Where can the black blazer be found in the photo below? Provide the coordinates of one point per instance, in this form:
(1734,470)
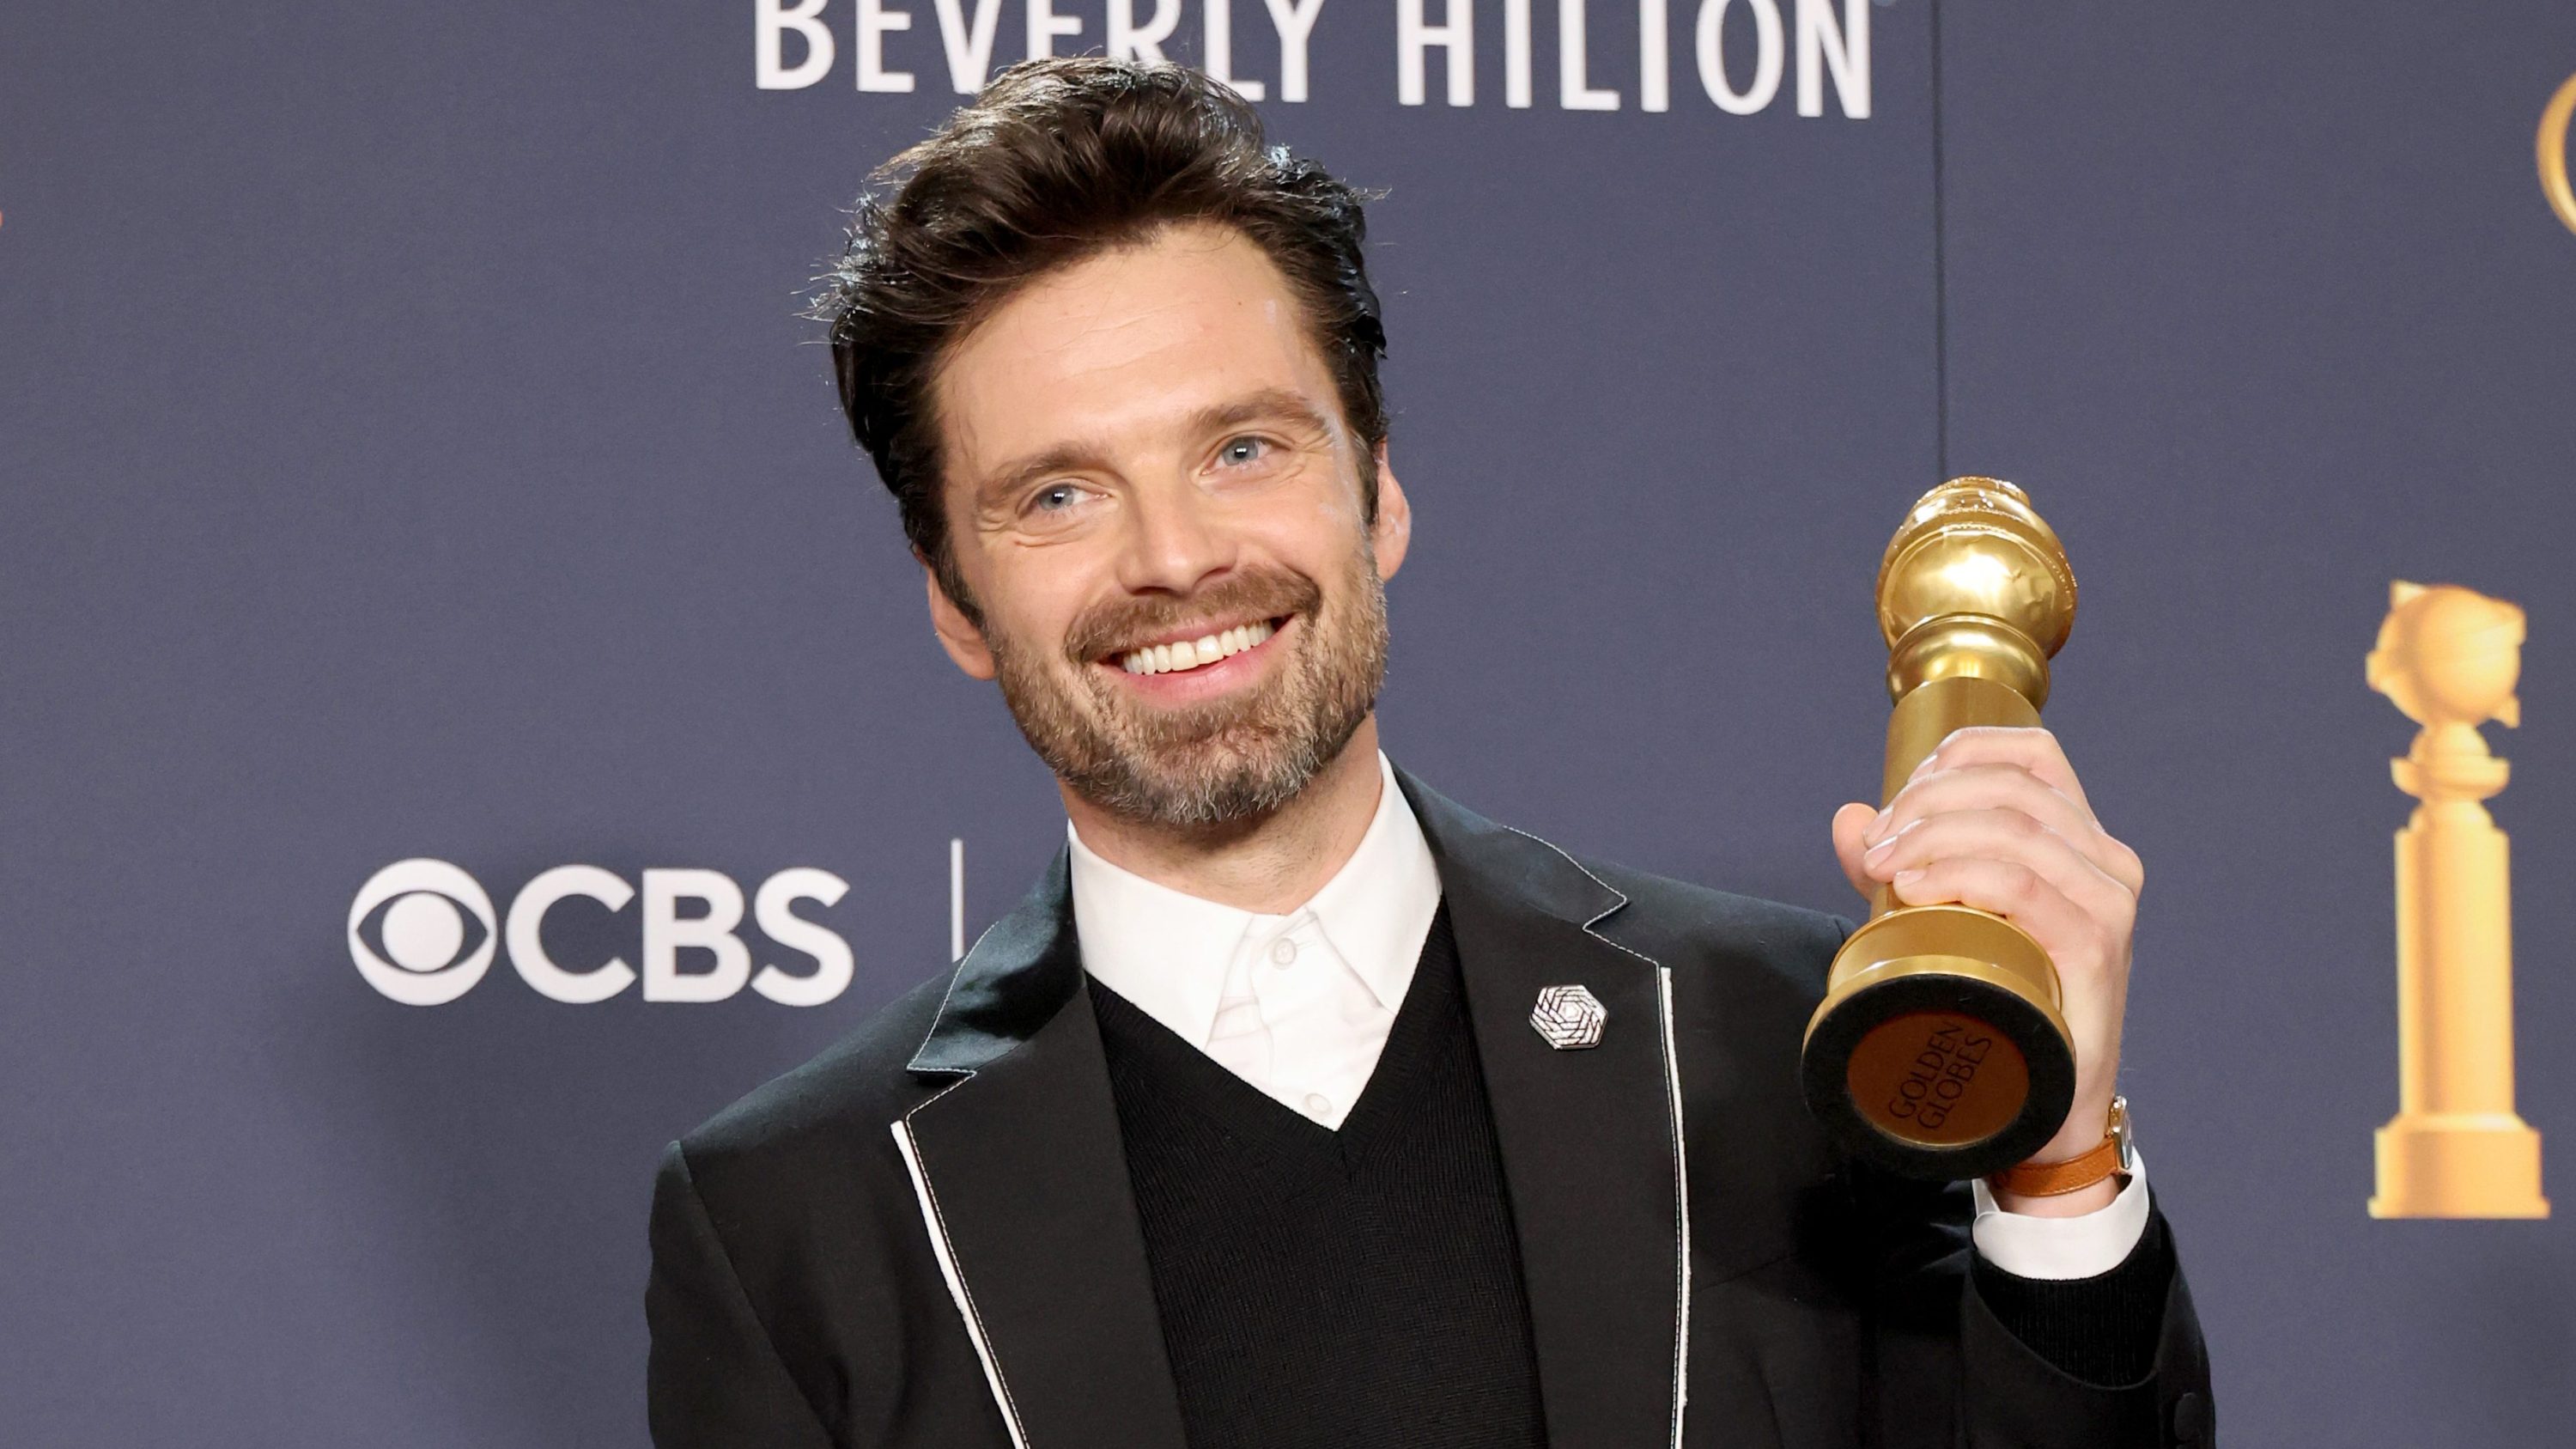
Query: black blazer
(925,1236)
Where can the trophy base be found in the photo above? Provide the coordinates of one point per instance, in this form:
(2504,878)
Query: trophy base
(1940,1064)
(2459,1165)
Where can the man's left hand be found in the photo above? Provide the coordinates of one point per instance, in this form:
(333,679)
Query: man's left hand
(1995,819)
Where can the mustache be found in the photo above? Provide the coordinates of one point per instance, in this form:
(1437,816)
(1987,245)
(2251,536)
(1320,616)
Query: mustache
(1118,625)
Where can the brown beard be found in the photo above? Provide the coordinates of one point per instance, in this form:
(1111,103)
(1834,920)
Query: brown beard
(1224,761)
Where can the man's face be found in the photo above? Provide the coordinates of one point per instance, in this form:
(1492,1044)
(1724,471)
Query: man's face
(1145,456)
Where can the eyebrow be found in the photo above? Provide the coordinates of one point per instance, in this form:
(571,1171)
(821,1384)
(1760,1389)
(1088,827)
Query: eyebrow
(1269,402)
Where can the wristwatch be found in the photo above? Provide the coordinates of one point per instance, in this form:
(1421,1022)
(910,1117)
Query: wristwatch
(2117,1153)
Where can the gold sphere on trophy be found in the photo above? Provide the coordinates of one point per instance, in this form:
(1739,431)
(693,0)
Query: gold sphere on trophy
(1940,1050)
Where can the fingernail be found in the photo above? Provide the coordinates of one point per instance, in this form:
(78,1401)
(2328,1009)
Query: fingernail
(1876,853)
(1906,877)
(1877,827)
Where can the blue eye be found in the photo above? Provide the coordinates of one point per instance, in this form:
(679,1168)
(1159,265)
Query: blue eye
(1056,498)
(1243,450)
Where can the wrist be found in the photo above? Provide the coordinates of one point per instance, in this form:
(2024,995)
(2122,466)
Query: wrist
(2087,1123)
(2058,1183)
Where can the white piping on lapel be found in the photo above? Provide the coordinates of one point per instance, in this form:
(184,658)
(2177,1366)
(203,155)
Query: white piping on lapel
(1681,1198)
(956,969)
(932,1219)
(1673,1097)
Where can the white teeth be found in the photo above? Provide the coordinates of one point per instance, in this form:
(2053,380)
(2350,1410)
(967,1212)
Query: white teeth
(1191,653)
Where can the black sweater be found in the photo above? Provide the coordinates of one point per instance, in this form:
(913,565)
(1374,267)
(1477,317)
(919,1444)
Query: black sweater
(1328,1288)
(1320,1289)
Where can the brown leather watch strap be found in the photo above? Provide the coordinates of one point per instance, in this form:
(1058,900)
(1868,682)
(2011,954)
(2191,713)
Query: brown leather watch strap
(2056,1179)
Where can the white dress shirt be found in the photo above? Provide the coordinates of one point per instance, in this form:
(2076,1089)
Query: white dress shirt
(1299,1005)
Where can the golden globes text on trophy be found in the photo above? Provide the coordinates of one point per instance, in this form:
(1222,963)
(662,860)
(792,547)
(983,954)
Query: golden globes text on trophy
(2456,1149)
(1939,1050)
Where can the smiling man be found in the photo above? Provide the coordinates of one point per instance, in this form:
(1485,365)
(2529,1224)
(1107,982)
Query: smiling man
(1241,1130)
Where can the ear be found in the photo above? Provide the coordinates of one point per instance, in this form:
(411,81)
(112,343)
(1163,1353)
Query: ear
(958,634)
(1392,534)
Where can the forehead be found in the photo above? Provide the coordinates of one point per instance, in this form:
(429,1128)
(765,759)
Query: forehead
(1123,346)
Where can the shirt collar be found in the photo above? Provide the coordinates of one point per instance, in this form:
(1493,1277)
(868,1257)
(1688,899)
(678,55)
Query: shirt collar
(1168,952)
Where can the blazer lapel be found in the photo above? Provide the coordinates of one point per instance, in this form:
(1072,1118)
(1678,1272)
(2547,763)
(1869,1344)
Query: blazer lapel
(1023,1189)
(1591,1138)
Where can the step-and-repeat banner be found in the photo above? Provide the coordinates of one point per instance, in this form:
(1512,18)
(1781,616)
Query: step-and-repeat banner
(469,713)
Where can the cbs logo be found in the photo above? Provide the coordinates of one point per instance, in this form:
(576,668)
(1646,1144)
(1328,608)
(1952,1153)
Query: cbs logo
(423,932)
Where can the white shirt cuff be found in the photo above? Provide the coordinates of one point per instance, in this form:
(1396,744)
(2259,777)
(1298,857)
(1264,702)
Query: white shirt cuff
(2086,1246)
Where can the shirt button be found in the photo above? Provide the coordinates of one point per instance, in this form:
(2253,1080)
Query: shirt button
(1283,952)
(1318,1106)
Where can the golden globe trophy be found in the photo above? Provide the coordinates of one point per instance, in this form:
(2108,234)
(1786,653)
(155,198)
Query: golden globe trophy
(2450,659)
(1939,1050)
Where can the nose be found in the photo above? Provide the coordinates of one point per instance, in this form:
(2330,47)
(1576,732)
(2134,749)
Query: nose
(1175,543)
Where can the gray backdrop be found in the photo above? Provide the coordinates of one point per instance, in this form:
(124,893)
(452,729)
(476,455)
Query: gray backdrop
(412,449)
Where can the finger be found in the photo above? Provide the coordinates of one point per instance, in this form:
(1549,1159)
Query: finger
(1849,822)
(2013,837)
(2032,748)
(1978,787)
(1986,787)
(2015,892)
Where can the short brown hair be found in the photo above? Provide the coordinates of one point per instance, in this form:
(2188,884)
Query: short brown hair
(1059,160)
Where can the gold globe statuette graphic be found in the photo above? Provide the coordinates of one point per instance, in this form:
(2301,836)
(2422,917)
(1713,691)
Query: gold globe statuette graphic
(1939,1050)
(2456,1149)
(2555,183)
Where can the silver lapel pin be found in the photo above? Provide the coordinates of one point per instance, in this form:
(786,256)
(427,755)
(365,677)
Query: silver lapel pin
(1569,1017)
